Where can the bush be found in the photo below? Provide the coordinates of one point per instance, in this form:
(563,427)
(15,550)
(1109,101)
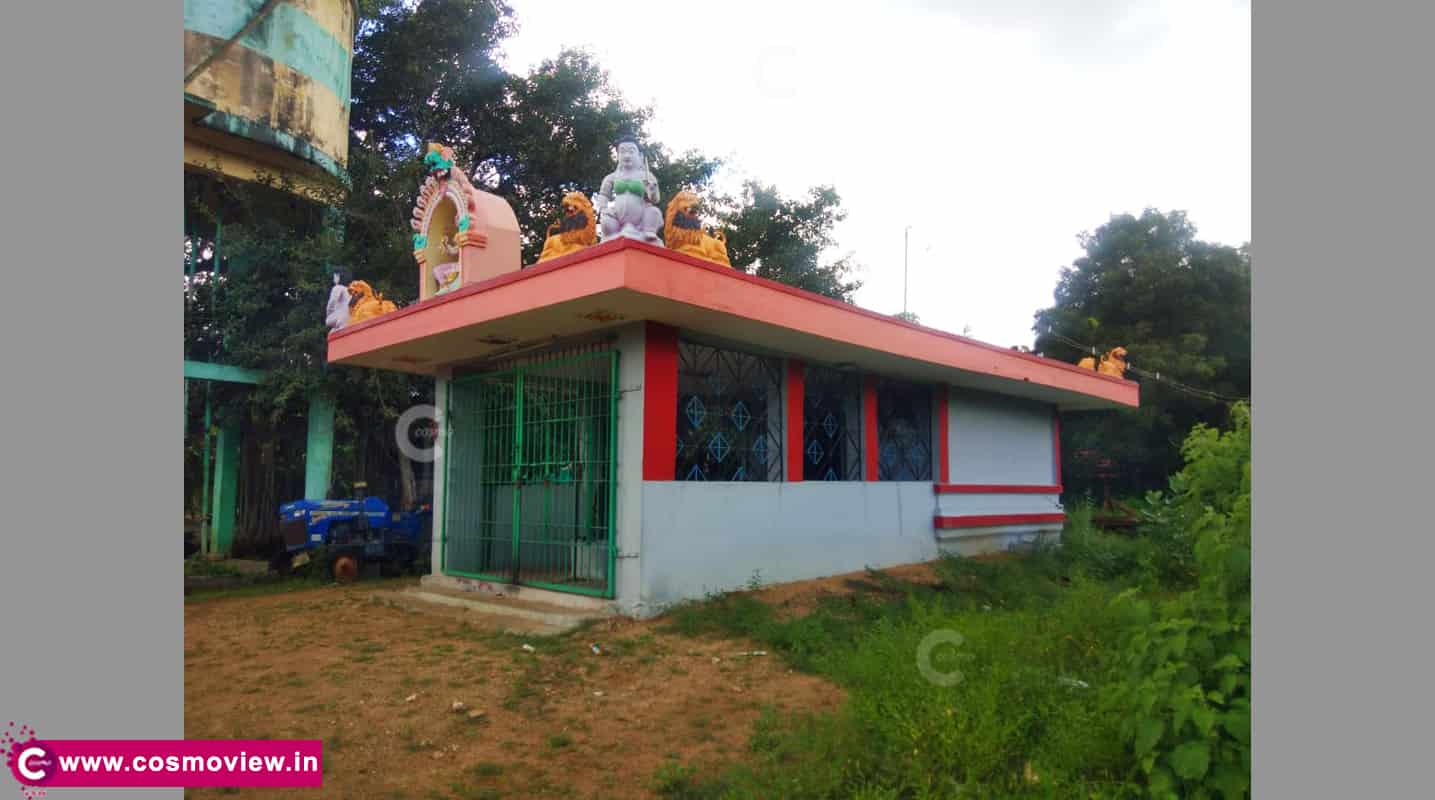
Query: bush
(1186,697)
(1087,550)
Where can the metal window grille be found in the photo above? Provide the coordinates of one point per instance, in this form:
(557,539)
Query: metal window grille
(529,464)
(831,425)
(729,415)
(904,431)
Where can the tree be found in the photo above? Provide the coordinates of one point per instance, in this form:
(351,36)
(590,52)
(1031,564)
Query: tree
(429,72)
(1182,308)
(784,240)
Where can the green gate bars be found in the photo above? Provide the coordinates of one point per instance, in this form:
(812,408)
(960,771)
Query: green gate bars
(529,462)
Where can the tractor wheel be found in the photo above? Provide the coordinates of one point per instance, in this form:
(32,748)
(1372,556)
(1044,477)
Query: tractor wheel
(346,568)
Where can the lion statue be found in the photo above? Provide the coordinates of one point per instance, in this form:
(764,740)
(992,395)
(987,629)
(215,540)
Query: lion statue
(1113,363)
(365,303)
(684,232)
(576,230)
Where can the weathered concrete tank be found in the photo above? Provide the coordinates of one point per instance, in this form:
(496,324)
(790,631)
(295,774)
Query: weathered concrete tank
(267,88)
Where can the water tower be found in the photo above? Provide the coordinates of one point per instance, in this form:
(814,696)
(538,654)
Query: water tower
(266,100)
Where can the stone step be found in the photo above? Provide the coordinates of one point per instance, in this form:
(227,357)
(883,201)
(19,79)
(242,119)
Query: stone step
(506,613)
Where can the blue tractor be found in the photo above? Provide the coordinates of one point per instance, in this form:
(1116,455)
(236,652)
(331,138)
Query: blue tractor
(352,534)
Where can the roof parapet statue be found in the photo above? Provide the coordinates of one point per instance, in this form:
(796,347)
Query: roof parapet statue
(683,231)
(627,201)
(1113,363)
(575,230)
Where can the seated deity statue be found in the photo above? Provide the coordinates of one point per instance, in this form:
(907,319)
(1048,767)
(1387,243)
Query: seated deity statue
(446,274)
(627,202)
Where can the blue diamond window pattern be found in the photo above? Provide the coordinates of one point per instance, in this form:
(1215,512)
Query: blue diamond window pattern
(904,427)
(695,411)
(740,417)
(888,452)
(728,426)
(814,451)
(718,447)
(831,436)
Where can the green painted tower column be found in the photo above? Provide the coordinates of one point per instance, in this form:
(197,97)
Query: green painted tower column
(319,452)
(226,486)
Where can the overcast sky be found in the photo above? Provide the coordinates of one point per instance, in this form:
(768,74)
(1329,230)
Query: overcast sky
(997,129)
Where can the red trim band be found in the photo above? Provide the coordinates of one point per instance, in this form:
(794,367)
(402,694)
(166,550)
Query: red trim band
(660,403)
(944,461)
(994,488)
(869,426)
(795,385)
(994,520)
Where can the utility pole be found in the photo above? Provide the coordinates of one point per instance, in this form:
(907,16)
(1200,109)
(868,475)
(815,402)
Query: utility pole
(905,234)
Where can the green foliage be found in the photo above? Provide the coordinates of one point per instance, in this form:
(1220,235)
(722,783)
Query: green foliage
(784,239)
(1102,667)
(422,72)
(1182,308)
(203,567)
(1032,651)
(1159,555)
(674,780)
(1186,697)
(1101,555)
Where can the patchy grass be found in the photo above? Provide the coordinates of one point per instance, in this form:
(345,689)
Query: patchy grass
(210,568)
(986,682)
(557,721)
(271,584)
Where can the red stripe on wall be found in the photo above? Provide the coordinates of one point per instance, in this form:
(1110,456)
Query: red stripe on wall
(1056,444)
(660,402)
(944,461)
(795,374)
(994,520)
(994,488)
(869,426)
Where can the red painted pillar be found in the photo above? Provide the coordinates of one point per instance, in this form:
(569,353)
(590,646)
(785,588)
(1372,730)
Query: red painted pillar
(944,461)
(869,426)
(660,402)
(795,397)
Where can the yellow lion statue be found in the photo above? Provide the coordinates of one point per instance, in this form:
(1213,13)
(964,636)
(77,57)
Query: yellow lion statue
(1113,363)
(684,232)
(576,230)
(364,303)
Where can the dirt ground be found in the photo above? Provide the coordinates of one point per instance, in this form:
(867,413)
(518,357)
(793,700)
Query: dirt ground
(378,684)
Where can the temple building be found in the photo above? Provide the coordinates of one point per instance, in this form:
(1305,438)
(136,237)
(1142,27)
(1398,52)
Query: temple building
(644,425)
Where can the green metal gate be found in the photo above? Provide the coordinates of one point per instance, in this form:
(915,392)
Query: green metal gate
(529,462)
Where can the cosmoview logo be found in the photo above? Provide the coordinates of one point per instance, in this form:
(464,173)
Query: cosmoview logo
(31,761)
(35,763)
(404,432)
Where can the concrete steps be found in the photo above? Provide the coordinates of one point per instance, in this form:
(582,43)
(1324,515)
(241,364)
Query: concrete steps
(508,612)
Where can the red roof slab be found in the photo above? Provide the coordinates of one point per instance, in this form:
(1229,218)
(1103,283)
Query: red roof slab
(624,281)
